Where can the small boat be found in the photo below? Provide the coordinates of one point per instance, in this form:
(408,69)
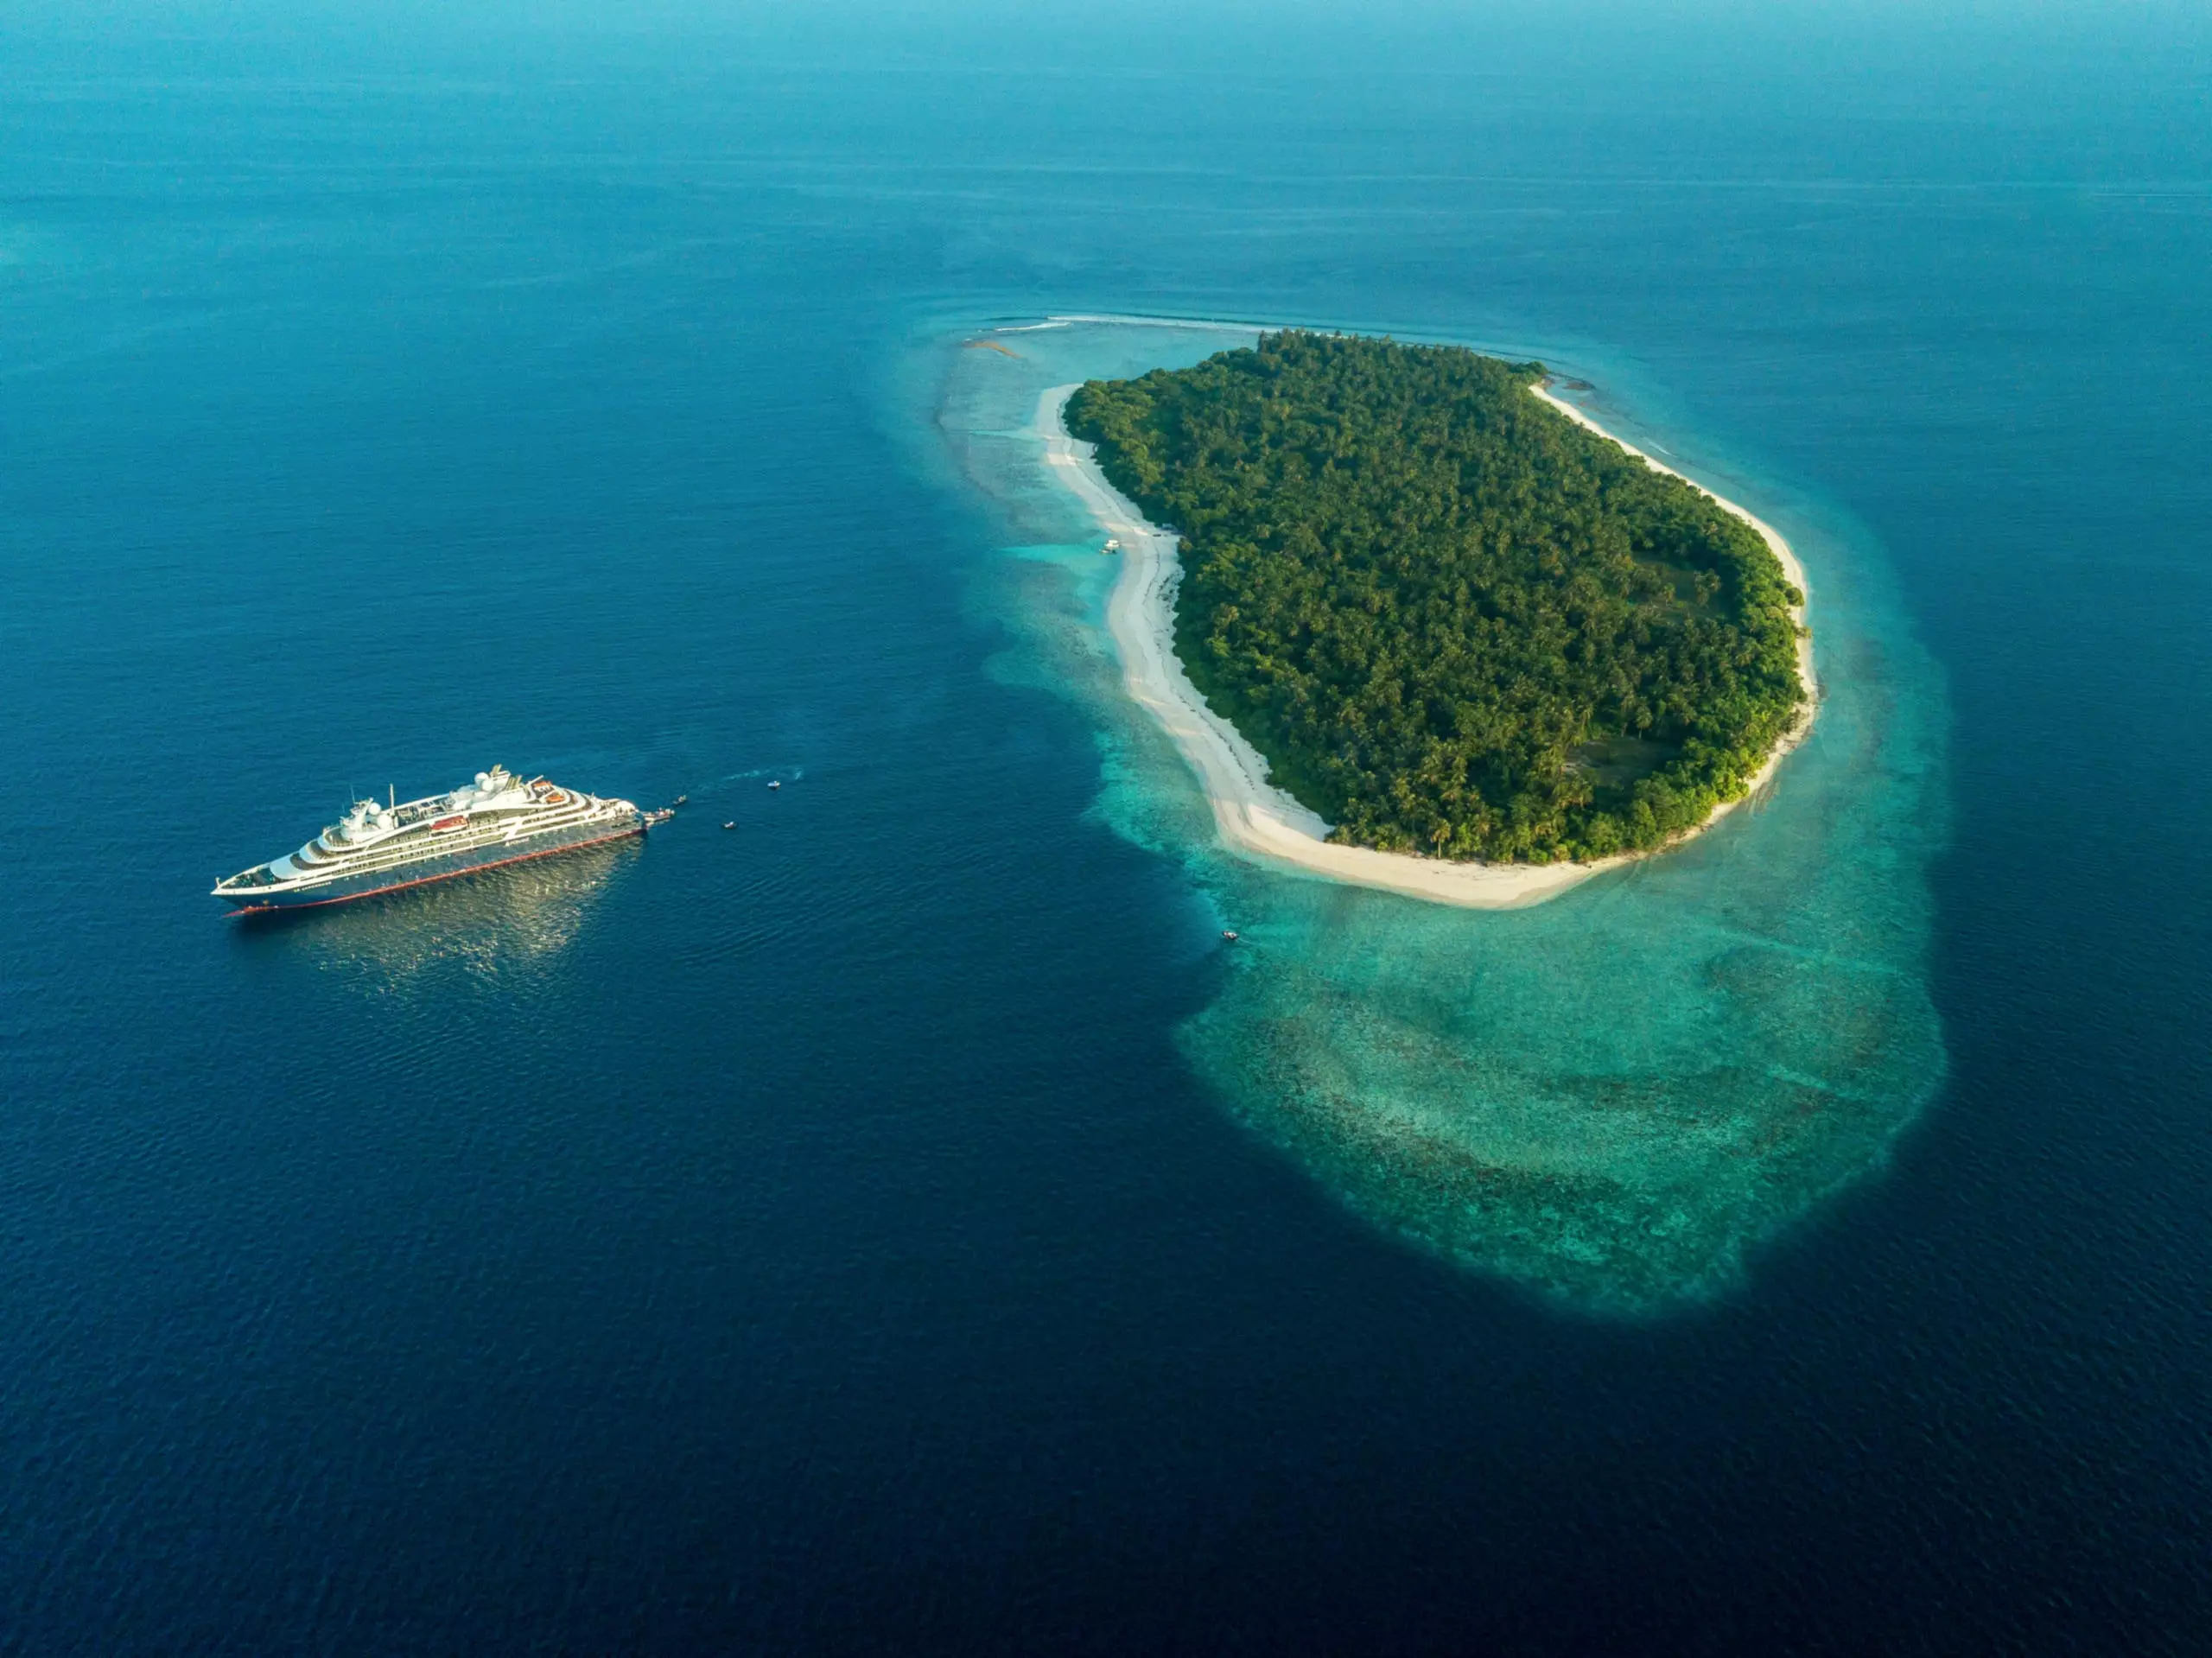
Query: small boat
(772,784)
(1111,546)
(731,824)
(684,800)
(1227,937)
(660,817)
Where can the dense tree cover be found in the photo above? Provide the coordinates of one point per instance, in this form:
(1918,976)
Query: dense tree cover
(1455,622)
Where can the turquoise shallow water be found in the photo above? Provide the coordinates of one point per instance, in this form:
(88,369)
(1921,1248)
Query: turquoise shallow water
(1612,1096)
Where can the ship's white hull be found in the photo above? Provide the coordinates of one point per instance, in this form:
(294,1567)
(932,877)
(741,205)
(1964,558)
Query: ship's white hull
(345,889)
(376,850)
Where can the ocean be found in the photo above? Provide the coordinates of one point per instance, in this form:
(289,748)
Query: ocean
(899,1223)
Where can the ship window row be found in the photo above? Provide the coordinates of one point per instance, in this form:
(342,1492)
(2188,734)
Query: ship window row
(417,850)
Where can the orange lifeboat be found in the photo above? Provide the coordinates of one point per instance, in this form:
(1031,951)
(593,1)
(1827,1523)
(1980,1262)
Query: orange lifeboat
(459,820)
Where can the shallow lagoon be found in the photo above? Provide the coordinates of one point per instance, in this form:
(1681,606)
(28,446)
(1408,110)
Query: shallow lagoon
(1612,1097)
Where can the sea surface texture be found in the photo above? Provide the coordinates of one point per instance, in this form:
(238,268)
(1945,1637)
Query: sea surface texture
(1610,1095)
(898,1223)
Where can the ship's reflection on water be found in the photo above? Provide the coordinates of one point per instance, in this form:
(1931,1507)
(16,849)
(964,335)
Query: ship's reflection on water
(489,922)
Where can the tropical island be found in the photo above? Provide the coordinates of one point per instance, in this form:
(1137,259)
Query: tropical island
(1438,612)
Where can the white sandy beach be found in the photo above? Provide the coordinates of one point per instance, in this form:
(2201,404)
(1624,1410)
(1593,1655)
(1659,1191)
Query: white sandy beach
(1256,819)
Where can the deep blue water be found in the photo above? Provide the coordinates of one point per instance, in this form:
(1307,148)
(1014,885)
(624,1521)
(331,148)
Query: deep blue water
(812,1237)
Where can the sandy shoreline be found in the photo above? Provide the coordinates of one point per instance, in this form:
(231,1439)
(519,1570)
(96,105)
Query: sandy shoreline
(1255,818)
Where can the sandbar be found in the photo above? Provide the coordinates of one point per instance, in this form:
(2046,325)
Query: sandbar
(1261,821)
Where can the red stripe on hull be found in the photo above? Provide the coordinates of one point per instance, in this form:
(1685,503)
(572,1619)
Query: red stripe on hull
(450,874)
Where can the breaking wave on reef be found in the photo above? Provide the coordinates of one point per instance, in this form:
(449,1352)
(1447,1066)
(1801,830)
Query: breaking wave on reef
(1612,1097)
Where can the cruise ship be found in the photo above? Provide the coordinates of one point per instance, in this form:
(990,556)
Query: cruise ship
(378,847)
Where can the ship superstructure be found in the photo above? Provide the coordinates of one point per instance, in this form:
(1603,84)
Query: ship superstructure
(376,847)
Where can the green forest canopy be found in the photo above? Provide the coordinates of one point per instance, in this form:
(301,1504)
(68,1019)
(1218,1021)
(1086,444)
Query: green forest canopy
(1454,621)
